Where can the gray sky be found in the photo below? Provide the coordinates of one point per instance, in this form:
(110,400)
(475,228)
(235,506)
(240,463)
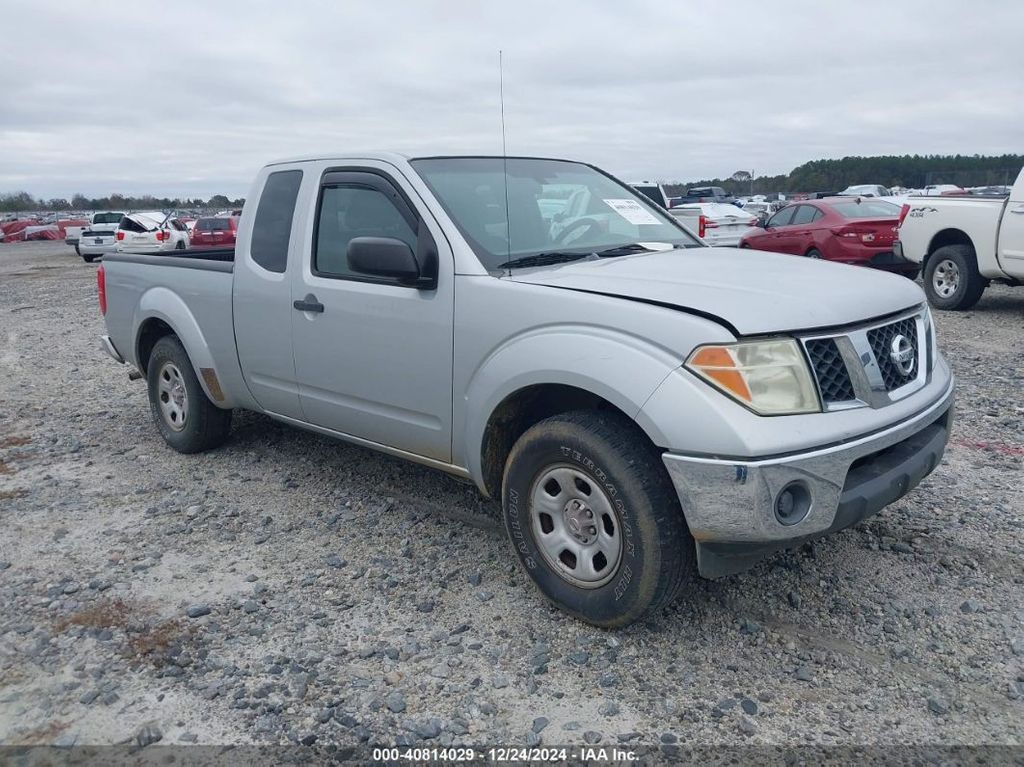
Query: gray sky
(187,99)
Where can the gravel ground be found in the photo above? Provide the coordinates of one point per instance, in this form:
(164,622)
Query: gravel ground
(287,588)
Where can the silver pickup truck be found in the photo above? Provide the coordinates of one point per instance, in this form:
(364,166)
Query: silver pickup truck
(644,406)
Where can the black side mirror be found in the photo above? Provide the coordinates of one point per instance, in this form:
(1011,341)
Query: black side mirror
(386,257)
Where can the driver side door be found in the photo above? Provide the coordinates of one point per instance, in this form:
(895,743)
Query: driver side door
(373,357)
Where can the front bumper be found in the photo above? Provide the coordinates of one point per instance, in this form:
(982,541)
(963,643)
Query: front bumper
(730,505)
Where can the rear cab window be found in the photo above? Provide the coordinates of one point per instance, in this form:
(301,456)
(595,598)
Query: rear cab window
(272,227)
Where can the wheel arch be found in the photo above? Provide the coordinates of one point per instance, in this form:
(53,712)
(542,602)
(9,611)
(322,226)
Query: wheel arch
(160,313)
(523,408)
(948,236)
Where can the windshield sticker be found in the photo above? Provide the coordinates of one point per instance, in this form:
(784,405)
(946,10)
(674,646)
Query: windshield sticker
(632,211)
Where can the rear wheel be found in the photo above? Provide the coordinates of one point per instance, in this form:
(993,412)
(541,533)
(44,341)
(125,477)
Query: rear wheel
(77,251)
(180,245)
(183,414)
(88,258)
(813,253)
(951,278)
(594,518)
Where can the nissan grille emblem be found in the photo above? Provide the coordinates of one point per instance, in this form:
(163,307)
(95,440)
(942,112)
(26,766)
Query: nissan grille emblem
(901,352)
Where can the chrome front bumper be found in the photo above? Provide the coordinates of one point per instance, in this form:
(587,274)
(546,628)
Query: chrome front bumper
(731,505)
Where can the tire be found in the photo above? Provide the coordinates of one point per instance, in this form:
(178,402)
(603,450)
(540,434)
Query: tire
(77,251)
(813,253)
(180,245)
(952,280)
(88,259)
(183,414)
(598,459)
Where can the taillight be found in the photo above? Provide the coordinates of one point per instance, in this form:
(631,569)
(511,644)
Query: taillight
(702,225)
(161,235)
(853,233)
(120,235)
(101,288)
(903,214)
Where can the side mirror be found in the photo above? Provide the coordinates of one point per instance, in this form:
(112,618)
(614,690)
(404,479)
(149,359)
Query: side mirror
(386,257)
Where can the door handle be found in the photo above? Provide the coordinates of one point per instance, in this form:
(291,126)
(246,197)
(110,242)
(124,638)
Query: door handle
(1018,209)
(309,304)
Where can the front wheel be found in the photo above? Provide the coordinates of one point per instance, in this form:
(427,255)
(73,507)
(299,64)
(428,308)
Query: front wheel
(814,253)
(594,518)
(951,278)
(183,414)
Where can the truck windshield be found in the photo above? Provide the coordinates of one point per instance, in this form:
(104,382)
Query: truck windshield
(547,207)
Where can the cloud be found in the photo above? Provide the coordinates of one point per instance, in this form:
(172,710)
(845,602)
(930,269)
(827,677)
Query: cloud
(191,98)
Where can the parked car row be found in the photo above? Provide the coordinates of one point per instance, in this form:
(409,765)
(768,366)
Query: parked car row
(150,232)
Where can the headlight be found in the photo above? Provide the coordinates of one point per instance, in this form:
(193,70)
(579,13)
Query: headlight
(769,377)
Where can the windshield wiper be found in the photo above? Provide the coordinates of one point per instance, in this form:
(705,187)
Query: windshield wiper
(545,259)
(625,250)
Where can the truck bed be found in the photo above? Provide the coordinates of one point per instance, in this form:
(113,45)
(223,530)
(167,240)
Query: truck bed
(173,257)
(195,298)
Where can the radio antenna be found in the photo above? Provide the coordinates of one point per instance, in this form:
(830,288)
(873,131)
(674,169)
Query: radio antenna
(504,161)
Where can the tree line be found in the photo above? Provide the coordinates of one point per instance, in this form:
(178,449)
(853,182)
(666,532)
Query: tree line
(19,202)
(909,171)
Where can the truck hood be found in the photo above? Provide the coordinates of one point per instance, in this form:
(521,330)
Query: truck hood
(752,291)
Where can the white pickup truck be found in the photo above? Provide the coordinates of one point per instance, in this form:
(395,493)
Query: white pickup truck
(964,243)
(101,227)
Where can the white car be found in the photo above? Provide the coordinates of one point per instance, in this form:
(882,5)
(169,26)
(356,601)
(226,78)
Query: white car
(866,190)
(717,223)
(939,190)
(151,232)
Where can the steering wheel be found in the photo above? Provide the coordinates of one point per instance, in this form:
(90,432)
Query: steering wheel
(586,224)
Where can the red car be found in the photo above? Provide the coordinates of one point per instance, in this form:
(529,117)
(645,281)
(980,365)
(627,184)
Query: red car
(215,232)
(850,230)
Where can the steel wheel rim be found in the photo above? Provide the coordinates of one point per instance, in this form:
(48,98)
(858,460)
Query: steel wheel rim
(172,396)
(946,278)
(575,526)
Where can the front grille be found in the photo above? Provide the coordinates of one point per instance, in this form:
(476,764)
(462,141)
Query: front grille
(834,382)
(881,344)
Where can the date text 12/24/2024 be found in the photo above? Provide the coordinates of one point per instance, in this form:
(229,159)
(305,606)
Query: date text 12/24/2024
(503,754)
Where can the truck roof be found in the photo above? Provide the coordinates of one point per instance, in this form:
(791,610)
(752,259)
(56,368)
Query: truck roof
(398,157)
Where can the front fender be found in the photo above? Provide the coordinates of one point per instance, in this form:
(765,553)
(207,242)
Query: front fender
(621,368)
(163,304)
